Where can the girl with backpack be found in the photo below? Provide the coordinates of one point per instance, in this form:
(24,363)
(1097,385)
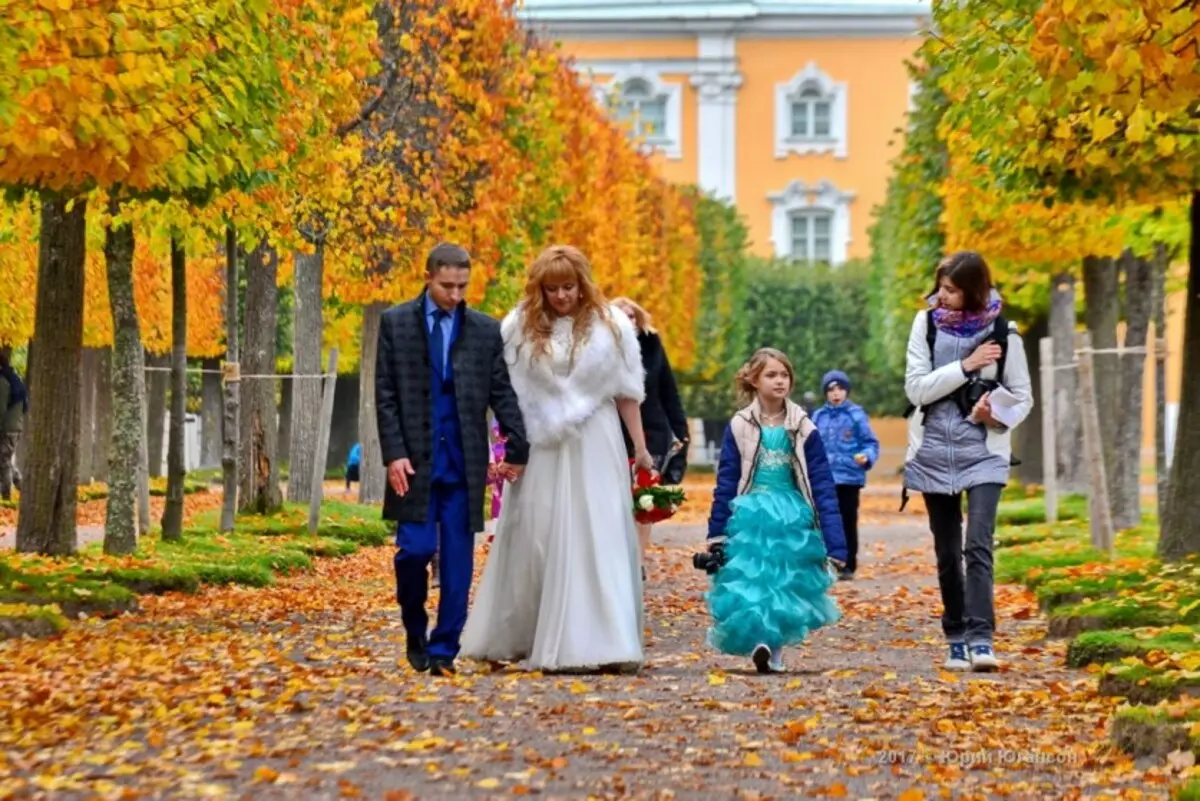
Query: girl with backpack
(960,351)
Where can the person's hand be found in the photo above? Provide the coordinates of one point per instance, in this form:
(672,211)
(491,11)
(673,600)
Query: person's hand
(514,471)
(679,445)
(982,413)
(643,460)
(861,459)
(985,354)
(398,473)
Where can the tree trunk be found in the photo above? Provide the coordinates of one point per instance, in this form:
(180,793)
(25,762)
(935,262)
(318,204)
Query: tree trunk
(210,414)
(157,382)
(1102,291)
(128,443)
(284,452)
(172,523)
(1139,291)
(306,354)
(260,434)
(46,522)
(1180,535)
(1028,436)
(371,473)
(88,368)
(1069,431)
(143,479)
(1162,262)
(231,425)
(103,415)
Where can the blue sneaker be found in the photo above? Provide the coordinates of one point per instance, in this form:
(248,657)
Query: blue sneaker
(983,658)
(957,659)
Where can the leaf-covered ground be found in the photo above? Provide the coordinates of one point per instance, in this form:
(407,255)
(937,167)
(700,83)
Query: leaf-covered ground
(301,691)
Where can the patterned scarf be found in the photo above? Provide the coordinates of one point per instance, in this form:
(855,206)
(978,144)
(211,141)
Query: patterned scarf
(964,324)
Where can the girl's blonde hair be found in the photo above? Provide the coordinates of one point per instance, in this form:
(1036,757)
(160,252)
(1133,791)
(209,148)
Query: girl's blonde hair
(752,370)
(562,264)
(641,317)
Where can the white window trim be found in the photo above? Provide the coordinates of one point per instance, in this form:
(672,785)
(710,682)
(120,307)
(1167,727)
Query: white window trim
(834,92)
(798,197)
(670,143)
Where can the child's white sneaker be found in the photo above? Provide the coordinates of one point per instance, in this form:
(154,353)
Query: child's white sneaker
(767,660)
(958,658)
(983,658)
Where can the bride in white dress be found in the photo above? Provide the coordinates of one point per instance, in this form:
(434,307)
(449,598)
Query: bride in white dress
(562,588)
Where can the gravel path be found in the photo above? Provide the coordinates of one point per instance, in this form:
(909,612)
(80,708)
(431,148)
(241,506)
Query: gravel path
(301,691)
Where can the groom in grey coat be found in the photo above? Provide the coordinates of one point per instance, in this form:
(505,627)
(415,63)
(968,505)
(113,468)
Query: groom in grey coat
(439,368)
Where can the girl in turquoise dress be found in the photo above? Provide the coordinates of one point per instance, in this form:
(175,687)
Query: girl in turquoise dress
(775,527)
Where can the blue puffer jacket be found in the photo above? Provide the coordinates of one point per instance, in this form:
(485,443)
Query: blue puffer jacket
(846,432)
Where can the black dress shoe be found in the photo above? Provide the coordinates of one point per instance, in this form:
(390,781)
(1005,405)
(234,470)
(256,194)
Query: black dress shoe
(418,657)
(442,667)
(846,575)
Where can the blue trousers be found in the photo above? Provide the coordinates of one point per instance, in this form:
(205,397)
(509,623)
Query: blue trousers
(447,533)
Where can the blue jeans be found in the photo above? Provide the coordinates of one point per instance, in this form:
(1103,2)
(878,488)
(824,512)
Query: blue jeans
(446,534)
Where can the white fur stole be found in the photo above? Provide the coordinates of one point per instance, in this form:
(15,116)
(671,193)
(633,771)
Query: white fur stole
(557,397)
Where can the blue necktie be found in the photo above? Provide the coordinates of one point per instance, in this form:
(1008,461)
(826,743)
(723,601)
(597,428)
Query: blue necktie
(437,339)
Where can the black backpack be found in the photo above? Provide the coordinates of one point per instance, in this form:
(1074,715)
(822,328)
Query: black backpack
(999,336)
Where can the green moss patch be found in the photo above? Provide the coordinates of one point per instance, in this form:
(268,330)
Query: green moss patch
(1099,647)
(1130,609)
(1142,683)
(1155,731)
(30,620)
(1035,562)
(1188,791)
(341,520)
(71,591)
(1031,510)
(259,549)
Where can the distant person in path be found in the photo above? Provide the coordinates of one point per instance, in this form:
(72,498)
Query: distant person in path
(663,419)
(853,449)
(439,368)
(353,464)
(14,404)
(961,351)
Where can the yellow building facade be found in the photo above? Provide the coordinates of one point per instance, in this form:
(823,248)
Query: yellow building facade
(790,108)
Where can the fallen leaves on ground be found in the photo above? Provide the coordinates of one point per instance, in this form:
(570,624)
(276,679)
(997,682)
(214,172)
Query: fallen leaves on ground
(302,690)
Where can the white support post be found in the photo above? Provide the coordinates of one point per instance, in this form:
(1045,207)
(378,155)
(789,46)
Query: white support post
(317,492)
(1049,432)
(1101,512)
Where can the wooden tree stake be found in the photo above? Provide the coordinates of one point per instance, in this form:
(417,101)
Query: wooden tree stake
(1049,431)
(318,473)
(1101,514)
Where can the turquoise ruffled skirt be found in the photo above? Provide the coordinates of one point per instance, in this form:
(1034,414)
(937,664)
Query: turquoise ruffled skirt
(773,587)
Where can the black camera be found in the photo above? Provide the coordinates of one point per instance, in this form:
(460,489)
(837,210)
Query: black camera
(970,393)
(711,561)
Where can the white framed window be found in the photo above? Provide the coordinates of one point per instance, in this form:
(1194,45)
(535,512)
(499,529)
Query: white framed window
(644,111)
(812,235)
(649,107)
(811,224)
(810,115)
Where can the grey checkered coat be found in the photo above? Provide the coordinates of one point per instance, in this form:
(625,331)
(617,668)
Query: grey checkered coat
(404,406)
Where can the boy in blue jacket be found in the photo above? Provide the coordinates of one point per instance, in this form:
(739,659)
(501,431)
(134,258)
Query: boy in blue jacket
(852,448)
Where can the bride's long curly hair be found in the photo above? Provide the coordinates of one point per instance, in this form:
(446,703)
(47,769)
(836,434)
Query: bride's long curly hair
(559,264)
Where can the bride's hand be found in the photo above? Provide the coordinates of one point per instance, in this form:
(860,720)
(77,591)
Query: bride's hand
(643,460)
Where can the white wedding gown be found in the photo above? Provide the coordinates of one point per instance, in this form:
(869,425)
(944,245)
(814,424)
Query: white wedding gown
(562,587)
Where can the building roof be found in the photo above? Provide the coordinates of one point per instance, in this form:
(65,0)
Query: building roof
(582,11)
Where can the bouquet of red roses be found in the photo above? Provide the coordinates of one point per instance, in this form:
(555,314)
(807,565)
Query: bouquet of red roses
(652,502)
